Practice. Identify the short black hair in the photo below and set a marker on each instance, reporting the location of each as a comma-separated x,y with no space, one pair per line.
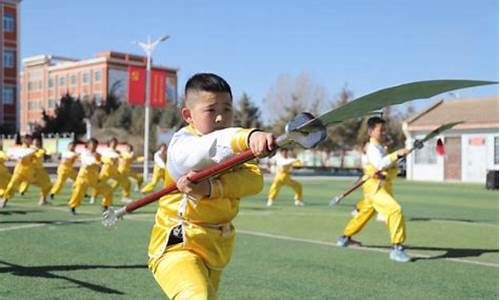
113,140
373,121
207,82
92,141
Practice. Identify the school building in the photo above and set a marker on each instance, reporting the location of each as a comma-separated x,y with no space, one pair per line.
46,78
471,148
9,64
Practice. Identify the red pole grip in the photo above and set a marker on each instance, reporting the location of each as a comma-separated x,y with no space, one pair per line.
199,176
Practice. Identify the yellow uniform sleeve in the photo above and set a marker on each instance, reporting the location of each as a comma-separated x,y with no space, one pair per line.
242,181
139,159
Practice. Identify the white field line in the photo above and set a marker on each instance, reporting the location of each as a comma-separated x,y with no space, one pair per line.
261,234
331,244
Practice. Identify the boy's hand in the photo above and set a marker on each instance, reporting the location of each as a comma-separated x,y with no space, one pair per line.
196,190
262,143
402,152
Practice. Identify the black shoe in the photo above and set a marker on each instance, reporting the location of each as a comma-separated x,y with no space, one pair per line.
72,211
104,208
22,194
86,195
51,196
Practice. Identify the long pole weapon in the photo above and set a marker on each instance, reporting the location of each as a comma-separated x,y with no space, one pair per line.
309,131
418,144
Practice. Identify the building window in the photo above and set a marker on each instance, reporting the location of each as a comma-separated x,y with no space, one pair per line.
495,150
52,103
8,22
97,76
426,155
62,81
8,95
51,82
8,58
98,99
85,77
73,79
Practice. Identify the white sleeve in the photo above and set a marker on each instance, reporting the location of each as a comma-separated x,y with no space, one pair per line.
188,152
18,153
158,160
281,161
376,158
68,155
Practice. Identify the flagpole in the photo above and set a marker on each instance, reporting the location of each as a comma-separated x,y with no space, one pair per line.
148,48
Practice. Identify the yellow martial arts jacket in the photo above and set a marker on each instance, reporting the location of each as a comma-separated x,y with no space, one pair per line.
126,160
206,223
376,159
285,165
68,159
3,169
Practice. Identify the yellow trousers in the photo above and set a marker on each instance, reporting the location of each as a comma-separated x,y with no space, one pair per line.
16,179
380,200
183,275
111,172
85,180
129,174
62,176
158,174
284,179
4,179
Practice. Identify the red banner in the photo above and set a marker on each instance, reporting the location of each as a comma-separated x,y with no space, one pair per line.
137,83
158,85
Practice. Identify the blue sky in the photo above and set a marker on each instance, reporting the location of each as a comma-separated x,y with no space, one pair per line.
367,45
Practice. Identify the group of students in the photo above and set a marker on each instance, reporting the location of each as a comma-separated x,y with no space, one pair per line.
193,236
97,167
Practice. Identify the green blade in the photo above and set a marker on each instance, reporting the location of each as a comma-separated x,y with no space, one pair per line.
390,96
438,130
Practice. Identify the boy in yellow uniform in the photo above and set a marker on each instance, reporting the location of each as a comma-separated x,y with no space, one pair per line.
40,177
192,239
160,159
109,170
124,168
4,173
23,171
378,193
284,165
65,169
88,176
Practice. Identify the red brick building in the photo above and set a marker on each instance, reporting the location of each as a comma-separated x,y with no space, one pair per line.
46,78
9,64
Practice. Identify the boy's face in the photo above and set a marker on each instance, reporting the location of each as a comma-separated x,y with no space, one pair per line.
378,132
208,111
92,146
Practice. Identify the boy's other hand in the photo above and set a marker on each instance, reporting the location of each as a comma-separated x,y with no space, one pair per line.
197,190
262,143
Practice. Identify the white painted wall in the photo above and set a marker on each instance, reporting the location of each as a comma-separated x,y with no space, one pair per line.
476,159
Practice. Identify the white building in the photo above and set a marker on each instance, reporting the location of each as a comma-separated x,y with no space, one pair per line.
471,148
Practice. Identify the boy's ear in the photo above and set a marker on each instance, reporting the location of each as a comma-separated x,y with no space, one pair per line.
186,114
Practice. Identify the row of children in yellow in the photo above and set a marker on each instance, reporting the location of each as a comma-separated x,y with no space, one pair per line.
193,236
96,168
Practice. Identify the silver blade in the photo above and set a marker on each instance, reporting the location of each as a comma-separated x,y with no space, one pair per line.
365,105
438,130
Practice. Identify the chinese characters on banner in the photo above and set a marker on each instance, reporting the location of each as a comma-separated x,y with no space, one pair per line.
137,83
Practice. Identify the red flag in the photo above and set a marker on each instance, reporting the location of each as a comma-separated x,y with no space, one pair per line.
440,147
136,84
157,86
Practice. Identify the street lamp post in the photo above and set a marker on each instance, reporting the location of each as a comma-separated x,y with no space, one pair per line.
148,48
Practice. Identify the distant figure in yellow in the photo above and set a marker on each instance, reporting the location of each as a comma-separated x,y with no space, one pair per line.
124,168
65,169
378,196
109,170
4,172
88,176
284,165
160,159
